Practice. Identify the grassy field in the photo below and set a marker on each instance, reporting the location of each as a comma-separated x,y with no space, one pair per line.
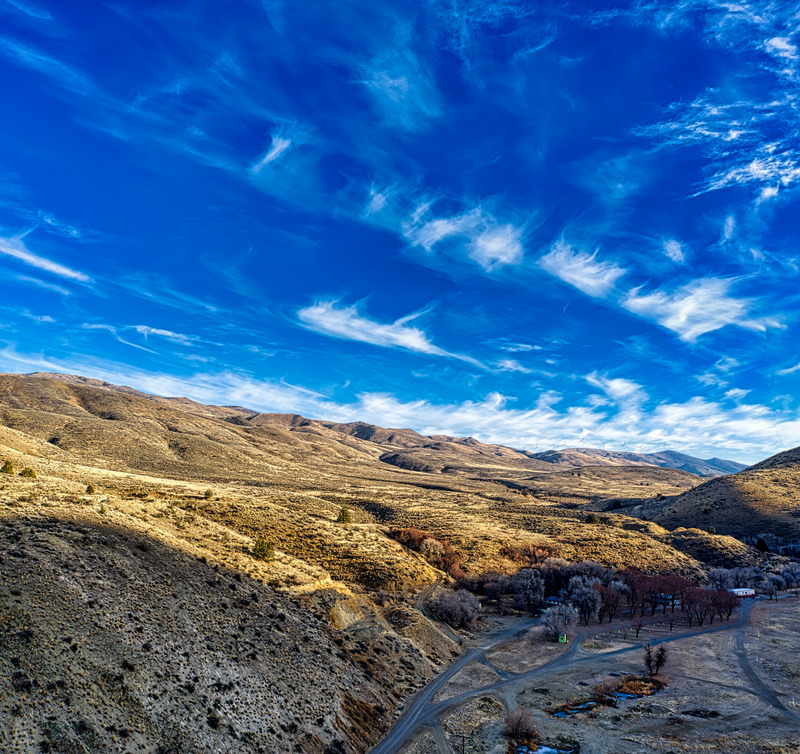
177,631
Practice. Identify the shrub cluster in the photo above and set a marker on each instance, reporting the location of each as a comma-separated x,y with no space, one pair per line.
459,609
439,552
520,729
528,554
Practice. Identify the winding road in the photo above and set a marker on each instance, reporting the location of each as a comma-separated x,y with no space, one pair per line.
423,711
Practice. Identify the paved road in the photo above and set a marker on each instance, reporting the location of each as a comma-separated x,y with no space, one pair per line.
423,711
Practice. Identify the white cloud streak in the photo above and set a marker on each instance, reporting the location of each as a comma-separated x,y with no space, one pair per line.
347,323
403,90
581,270
15,247
30,10
512,365
144,330
696,308
618,389
674,250
33,59
168,334
278,147
487,242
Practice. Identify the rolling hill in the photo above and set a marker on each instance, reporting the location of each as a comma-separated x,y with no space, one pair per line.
578,457
761,501
134,614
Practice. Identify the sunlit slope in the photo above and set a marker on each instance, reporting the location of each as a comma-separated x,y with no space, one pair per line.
762,499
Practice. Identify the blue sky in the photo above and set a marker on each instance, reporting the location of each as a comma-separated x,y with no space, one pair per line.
541,224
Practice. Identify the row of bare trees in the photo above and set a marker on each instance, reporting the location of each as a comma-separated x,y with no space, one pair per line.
786,576
589,591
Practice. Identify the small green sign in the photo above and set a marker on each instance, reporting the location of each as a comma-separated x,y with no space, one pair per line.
562,638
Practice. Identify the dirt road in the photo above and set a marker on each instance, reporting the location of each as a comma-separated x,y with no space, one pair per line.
424,711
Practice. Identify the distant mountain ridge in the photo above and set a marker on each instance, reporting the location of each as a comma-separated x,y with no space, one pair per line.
760,501
578,457
408,449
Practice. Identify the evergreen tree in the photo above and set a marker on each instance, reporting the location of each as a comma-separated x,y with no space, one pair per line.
8,468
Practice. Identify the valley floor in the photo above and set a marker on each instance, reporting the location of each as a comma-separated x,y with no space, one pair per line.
731,687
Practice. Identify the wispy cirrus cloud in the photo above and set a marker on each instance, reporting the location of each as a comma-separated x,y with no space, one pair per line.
613,180
581,270
29,57
618,389
782,48
15,247
288,136
348,323
511,365
176,337
146,332
698,307
749,132
29,9
43,284
512,347
674,250
99,326
404,91
278,147
488,242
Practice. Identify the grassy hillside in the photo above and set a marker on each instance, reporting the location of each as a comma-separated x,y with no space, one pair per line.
759,501
136,618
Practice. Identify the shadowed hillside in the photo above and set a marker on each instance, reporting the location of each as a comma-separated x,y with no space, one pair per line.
762,500
181,634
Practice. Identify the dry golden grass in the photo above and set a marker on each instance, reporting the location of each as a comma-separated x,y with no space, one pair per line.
761,499
150,558
285,477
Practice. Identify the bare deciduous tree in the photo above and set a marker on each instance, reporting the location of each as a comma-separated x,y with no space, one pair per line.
459,609
528,588
557,620
654,660
520,727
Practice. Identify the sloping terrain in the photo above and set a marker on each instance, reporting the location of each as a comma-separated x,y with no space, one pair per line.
762,499
152,576
274,463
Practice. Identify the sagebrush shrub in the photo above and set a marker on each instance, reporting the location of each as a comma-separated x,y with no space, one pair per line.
263,550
